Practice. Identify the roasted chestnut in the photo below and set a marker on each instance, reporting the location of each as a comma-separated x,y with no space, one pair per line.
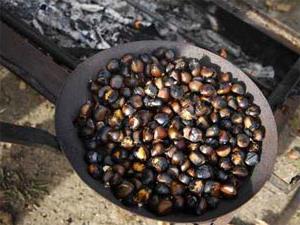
169,132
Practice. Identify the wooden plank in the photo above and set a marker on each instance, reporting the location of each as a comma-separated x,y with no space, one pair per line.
31,64
26,135
282,90
263,22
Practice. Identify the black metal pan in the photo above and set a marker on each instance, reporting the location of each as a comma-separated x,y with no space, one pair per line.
75,93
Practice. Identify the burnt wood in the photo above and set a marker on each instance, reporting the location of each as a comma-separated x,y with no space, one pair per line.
26,135
271,26
282,90
31,64
59,54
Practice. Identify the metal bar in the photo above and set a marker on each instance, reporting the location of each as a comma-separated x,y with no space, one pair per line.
30,64
79,52
283,89
60,55
261,21
26,135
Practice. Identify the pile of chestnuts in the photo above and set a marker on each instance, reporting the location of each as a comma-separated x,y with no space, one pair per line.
169,133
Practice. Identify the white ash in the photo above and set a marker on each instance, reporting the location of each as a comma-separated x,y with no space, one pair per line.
101,24
257,70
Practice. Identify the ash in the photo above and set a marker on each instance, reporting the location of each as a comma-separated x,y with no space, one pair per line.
101,24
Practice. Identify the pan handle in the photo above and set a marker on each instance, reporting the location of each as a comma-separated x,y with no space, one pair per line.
27,136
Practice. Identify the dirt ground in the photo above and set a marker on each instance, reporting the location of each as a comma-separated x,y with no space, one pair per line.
38,185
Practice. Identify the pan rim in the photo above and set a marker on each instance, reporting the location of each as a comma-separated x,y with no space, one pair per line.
61,130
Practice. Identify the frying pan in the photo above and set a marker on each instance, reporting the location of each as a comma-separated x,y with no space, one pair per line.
75,93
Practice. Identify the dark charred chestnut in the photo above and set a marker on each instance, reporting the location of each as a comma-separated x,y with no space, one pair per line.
202,122
151,90
242,102
124,189
158,149
176,188
228,190
178,201
202,206
212,188
127,59
173,133
173,171
204,172
259,134
183,178
178,158
160,133
103,77
162,119
206,72
142,195
224,88
252,159
136,182
113,65
225,164
243,140
196,186
232,103
169,54
223,137
238,157
95,171
222,175
116,82
207,90
164,207
137,66
223,150
164,178
138,166
218,102
195,86
115,180
147,177
156,70
117,168
253,110
142,153
164,94
197,158
238,88
152,103
127,142
191,202
224,77
107,176
240,171
162,189
159,163
192,134
206,149
176,91
212,131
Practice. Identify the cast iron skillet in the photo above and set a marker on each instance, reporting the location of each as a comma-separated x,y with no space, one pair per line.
75,93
